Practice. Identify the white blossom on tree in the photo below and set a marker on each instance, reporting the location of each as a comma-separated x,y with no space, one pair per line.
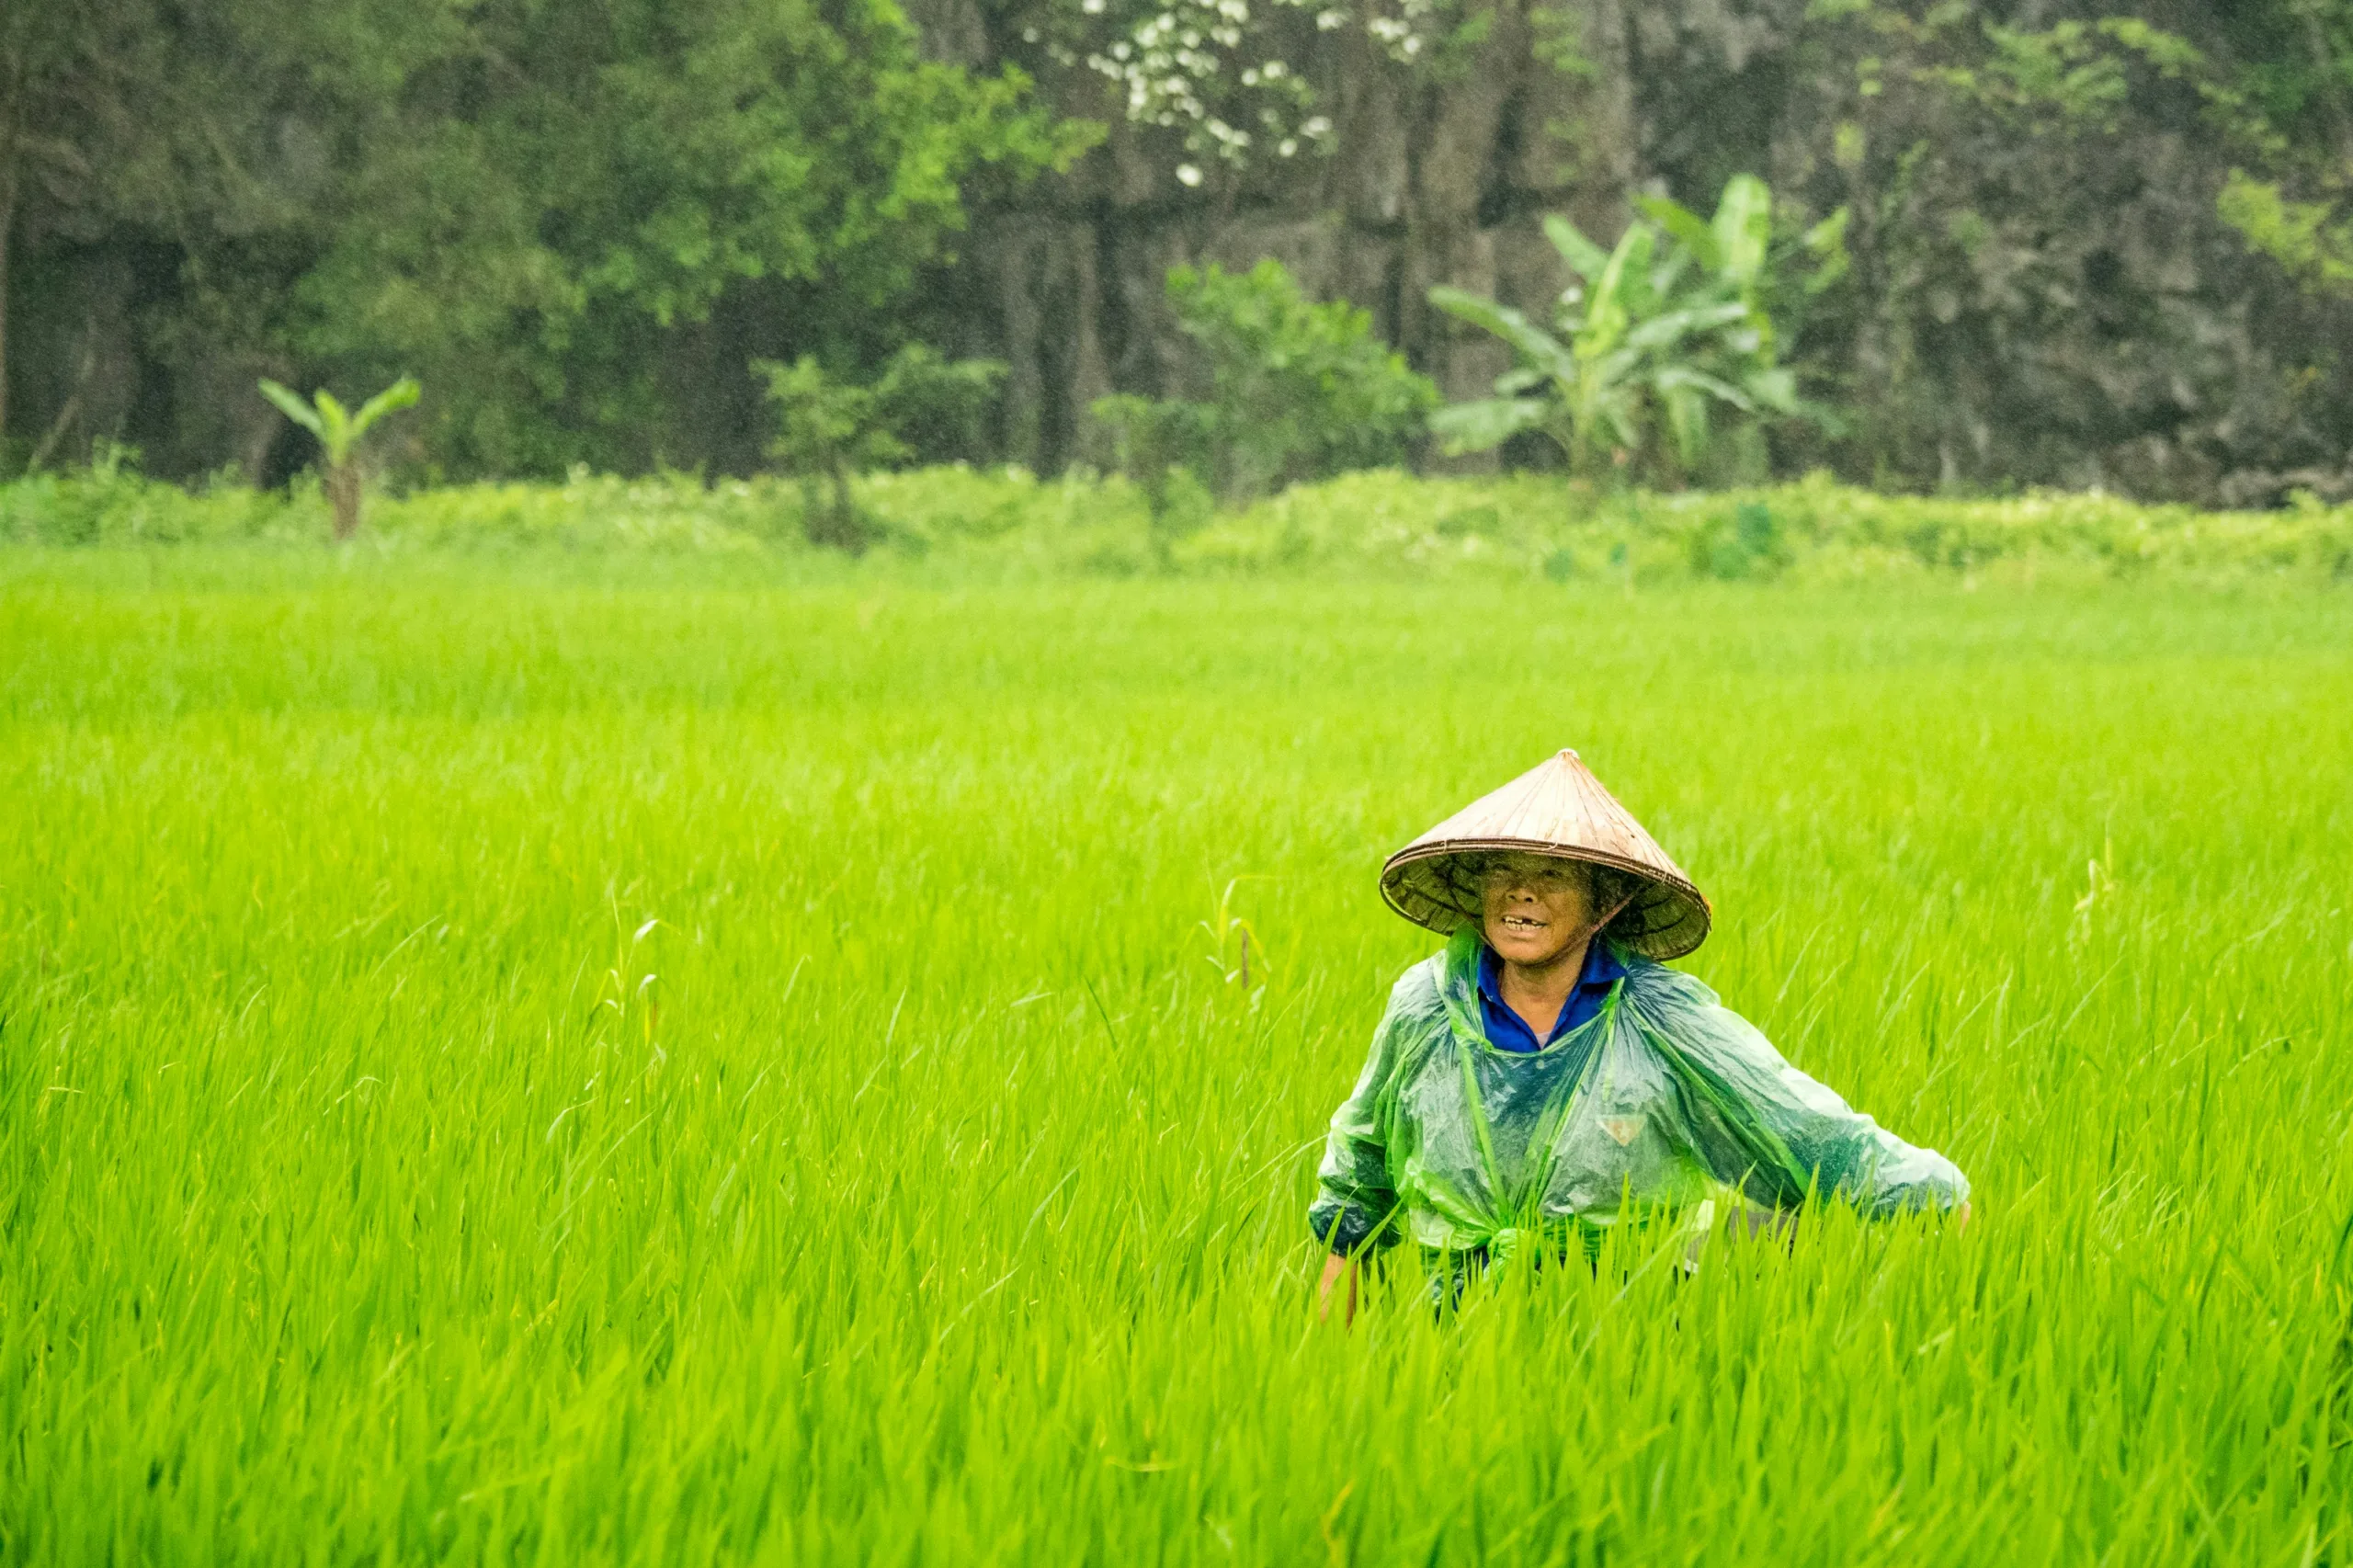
1215,72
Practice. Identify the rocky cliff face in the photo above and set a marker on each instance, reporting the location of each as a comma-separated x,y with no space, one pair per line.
2041,291
1438,175
2033,301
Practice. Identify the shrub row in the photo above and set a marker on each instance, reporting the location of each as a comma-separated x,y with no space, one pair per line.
1003,522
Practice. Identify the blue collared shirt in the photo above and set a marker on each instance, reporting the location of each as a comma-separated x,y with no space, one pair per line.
1507,1030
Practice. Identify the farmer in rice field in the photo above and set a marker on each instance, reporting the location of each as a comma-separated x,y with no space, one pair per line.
1545,1078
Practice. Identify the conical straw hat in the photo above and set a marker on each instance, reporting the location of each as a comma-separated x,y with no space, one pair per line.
1558,807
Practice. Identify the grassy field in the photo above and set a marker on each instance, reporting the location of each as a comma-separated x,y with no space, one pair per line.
558,1064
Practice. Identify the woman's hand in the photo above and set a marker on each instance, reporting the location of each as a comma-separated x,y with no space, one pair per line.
1335,1267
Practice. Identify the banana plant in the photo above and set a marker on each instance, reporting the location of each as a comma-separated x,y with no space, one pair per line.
340,432
1663,330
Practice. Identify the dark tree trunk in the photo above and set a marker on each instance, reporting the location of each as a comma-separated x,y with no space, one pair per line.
342,492
7,233
12,167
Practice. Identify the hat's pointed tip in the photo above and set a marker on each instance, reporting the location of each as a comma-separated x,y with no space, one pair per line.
1569,754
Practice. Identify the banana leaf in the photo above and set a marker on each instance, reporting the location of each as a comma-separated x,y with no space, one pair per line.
402,393
1776,389
1622,415
292,405
1486,424
1687,421
1680,377
1661,331
1539,348
1585,259
1743,230
1613,307
1684,225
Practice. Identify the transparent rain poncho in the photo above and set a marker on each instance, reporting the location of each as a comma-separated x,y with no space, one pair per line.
1658,1105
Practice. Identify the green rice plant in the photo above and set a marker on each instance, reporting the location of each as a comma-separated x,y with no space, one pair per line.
358,1202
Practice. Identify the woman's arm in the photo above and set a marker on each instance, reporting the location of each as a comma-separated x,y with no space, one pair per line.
1759,1123
1354,1201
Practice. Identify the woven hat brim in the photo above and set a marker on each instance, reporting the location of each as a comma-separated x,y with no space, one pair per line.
1665,920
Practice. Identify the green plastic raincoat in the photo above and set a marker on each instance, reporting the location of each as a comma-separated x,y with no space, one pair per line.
1660,1103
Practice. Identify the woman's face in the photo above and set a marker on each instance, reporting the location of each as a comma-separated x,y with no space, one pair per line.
1536,907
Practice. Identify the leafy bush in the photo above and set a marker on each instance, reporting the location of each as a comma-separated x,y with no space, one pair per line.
831,430
1160,443
1671,325
1748,542
111,503
2311,240
1296,390
955,524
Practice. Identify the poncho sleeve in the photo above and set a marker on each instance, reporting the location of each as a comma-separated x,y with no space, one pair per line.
1354,1199
1759,1124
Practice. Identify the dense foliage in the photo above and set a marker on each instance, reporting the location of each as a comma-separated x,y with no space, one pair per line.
1664,342
524,205
1288,389
957,524
829,431
2084,243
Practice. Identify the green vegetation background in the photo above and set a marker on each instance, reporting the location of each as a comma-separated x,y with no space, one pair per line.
603,1057
2082,239
959,524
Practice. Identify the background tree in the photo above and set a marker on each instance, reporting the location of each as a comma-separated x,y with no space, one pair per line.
2289,112
830,430
581,219
67,76
1293,388
622,168
540,207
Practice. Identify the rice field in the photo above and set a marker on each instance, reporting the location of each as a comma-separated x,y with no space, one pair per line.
536,1065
